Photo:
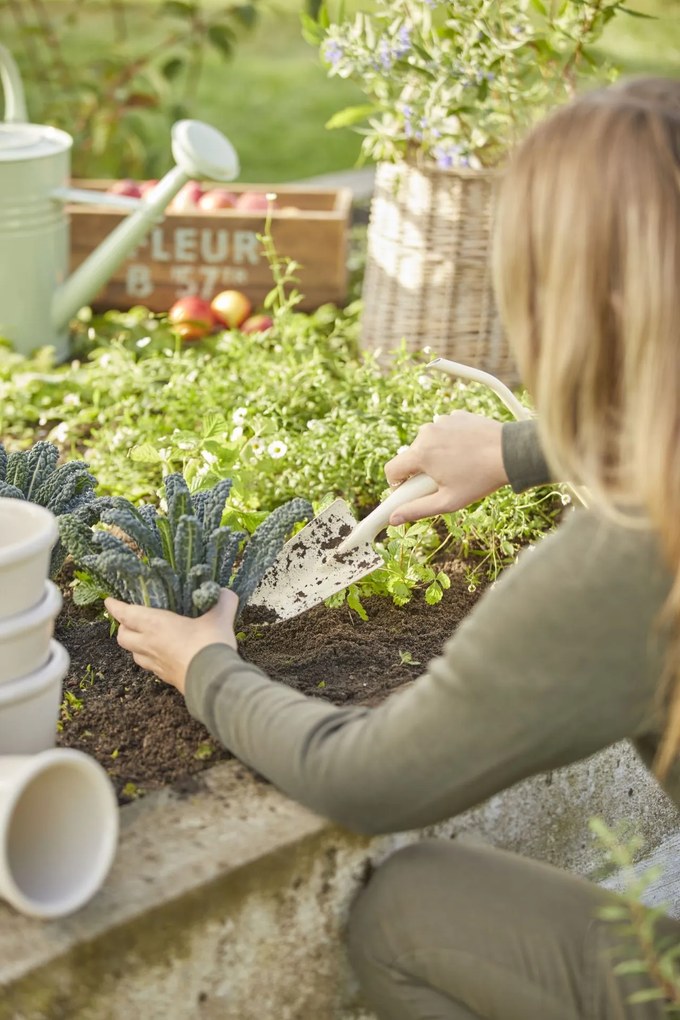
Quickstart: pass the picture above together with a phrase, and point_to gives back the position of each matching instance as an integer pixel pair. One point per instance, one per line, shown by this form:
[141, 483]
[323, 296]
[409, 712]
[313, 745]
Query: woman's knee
[385, 905]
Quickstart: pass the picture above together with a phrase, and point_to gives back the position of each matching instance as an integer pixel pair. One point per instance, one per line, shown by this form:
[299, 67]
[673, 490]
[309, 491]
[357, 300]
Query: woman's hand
[165, 643]
[462, 453]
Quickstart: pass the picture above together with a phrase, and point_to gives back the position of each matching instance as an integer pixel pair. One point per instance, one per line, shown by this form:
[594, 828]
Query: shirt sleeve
[557, 660]
[523, 459]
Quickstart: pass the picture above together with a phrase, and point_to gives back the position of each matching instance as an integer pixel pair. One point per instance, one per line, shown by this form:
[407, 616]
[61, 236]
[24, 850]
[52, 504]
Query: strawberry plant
[179, 560]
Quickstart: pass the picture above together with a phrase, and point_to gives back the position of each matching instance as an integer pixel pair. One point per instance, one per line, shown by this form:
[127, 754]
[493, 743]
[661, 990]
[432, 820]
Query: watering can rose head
[181, 560]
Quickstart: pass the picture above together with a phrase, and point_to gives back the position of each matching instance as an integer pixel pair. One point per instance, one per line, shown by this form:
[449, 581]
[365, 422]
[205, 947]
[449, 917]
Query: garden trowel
[334, 551]
[328, 554]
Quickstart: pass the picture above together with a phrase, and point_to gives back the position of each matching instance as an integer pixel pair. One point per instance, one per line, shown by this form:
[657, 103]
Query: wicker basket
[428, 269]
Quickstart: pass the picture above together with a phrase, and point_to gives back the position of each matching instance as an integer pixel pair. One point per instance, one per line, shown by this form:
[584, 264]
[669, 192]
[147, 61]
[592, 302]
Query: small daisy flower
[277, 449]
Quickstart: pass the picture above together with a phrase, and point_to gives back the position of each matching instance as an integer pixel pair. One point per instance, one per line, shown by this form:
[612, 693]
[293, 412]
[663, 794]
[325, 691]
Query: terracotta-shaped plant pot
[27, 534]
[58, 831]
[29, 706]
[25, 638]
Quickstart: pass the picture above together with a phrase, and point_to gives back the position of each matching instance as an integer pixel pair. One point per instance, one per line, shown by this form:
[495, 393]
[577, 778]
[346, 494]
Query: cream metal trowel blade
[308, 569]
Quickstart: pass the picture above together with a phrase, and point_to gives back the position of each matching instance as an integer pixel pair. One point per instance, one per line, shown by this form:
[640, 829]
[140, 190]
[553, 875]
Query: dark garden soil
[139, 728]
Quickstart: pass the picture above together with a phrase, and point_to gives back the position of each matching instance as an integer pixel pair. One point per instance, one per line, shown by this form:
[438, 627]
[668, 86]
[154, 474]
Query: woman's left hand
[165, 643]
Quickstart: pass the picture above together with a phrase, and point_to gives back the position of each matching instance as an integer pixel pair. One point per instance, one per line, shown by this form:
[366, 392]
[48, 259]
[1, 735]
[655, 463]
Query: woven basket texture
[428, 268]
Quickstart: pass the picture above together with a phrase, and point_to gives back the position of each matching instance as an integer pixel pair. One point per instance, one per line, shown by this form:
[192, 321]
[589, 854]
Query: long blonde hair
[587, 275]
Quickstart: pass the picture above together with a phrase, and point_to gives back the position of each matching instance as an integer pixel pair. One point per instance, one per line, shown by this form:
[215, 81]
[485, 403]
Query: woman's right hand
[462, 453]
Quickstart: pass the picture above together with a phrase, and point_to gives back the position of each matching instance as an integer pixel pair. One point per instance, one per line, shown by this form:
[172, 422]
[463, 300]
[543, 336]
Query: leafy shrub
[180, 560]
[645, 950]
[115, 99]
[33, 475]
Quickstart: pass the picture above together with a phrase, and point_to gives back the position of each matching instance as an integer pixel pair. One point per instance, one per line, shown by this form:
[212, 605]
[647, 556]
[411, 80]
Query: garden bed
[140, 730]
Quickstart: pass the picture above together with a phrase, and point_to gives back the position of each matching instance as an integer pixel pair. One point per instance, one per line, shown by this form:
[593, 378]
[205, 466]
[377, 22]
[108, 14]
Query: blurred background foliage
[117, 73]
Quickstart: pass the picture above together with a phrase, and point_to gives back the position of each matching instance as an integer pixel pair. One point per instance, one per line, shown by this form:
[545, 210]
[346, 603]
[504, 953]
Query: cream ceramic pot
[58, 831]
[27, 534]
[37, 296]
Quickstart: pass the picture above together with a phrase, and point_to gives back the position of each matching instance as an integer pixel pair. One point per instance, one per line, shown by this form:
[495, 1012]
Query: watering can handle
[15, 101]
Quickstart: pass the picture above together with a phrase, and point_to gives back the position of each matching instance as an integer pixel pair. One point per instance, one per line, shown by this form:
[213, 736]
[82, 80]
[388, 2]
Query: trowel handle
[413, 488]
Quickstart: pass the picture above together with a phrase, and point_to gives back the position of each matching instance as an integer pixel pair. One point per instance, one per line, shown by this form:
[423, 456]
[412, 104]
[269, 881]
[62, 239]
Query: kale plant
[33, 475]
[179, 560]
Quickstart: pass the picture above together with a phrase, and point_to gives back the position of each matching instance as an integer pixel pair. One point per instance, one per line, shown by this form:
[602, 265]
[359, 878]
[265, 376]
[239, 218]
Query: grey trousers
[461, 931]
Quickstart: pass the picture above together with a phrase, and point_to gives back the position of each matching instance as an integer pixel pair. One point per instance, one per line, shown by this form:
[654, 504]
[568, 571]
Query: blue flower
[447, 156]
[403, 42]
[385, 54]
[332, 52]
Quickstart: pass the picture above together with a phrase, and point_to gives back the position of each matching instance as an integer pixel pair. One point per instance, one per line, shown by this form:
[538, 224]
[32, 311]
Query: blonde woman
[576, 647]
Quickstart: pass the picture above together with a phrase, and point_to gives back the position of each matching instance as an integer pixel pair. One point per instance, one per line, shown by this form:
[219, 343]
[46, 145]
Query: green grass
[646, 46]
[273, 97]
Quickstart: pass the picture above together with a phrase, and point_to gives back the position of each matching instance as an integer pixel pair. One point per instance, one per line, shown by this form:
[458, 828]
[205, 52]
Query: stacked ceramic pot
[58, 814]
[32, 664]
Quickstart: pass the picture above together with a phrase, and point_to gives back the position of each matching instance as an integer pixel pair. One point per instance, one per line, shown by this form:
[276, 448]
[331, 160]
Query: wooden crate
[202, 253]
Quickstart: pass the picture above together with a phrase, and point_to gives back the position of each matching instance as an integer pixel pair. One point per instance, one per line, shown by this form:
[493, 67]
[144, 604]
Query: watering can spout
[199, 151]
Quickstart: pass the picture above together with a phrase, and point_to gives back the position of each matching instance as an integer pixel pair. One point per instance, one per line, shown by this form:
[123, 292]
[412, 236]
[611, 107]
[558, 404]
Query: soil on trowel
[139, 729]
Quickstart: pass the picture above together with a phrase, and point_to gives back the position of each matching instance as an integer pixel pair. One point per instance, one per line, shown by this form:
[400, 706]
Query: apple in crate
[146, 186]
[255, 201]
[231, 308]
[257, 324]
[187, 197]
[217, 198]
[125, 187]
[192, 318]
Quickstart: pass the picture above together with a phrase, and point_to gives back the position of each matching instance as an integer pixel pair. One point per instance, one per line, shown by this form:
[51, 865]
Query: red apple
[125, 187]
[192, 318]
[217, 198]
[231, 308]
[187, 197]
[146, 186]
[257, 324]
[255, 201]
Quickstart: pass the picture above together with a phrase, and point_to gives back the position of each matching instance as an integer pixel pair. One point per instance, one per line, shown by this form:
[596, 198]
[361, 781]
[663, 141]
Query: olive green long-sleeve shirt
[559, 658]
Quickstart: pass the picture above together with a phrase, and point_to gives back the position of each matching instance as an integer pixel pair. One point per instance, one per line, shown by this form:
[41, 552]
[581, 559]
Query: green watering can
[37, 296]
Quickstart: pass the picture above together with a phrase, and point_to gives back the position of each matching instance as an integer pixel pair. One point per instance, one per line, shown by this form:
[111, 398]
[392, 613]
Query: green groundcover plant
[298, 409]
[179, 560]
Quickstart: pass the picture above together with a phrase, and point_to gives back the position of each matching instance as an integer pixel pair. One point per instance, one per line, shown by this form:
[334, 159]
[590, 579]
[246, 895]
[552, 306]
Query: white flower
[208, 457]
[276, 449]
[144, 342]
[239, 415]
[185, 444]
[426, 381]
[236, 433]
[257, 447]
[375, 399]
[72, 400]
[60, 432]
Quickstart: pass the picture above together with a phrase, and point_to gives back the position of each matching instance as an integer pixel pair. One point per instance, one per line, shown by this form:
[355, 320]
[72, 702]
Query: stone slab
[230, 901]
